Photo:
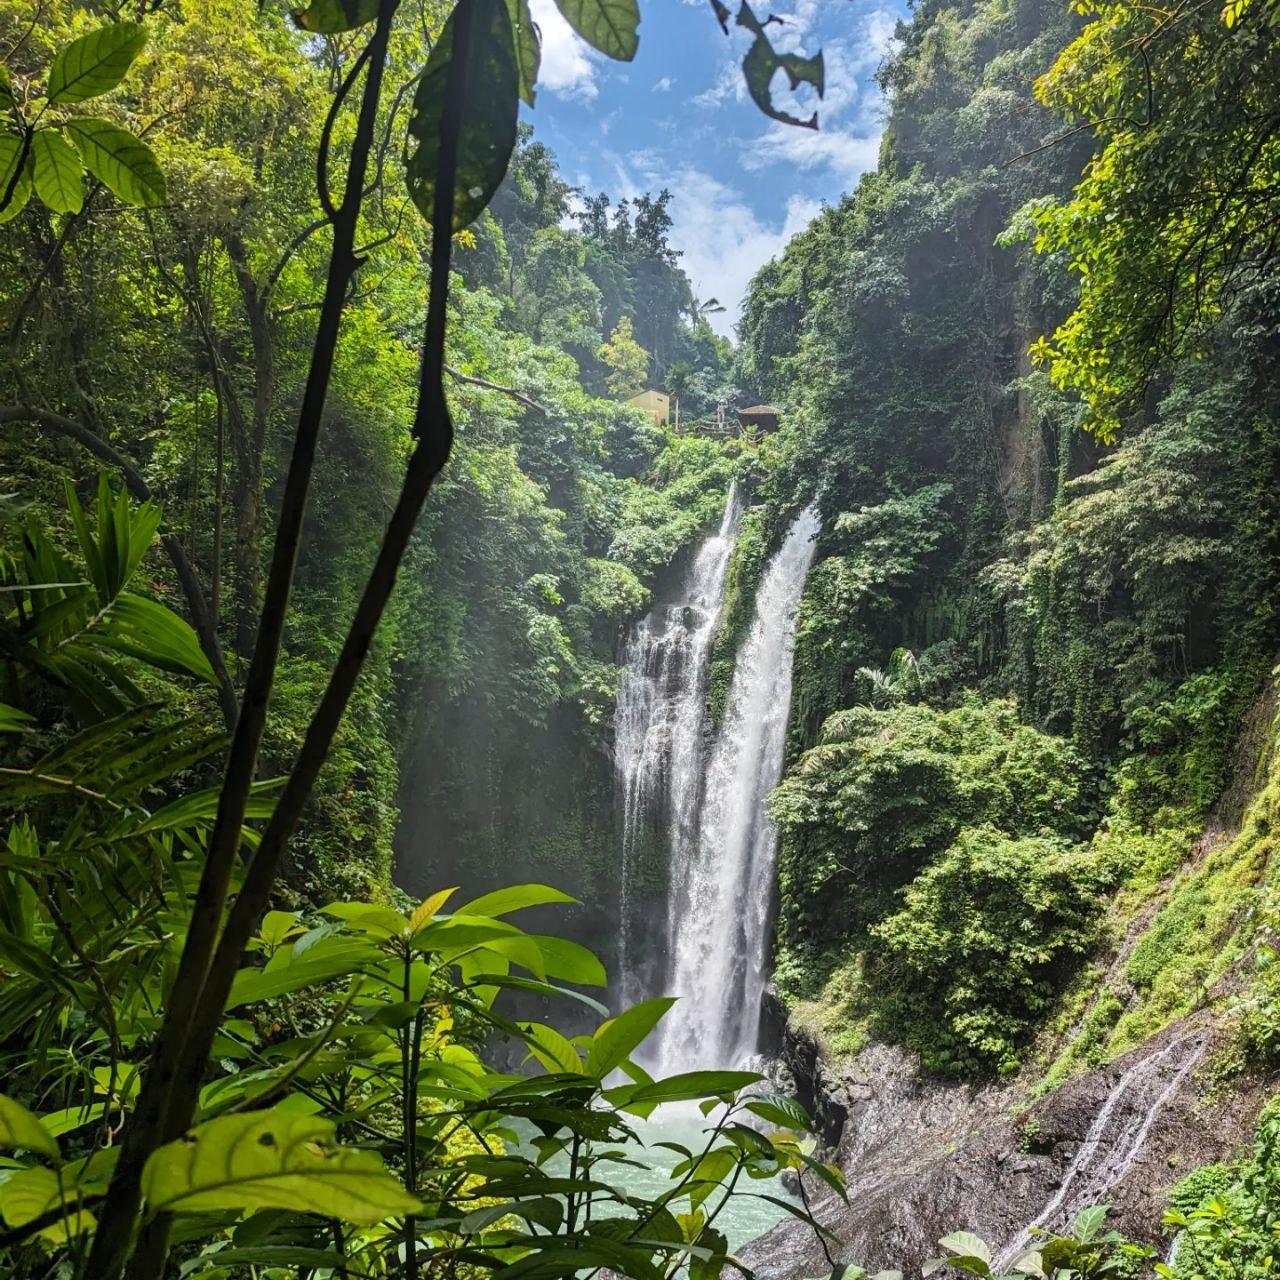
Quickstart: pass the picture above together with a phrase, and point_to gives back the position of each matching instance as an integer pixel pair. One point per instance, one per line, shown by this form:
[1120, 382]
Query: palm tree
[679, 375]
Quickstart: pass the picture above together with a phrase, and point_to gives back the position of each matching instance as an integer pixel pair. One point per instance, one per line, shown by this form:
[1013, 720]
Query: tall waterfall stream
[705, 787]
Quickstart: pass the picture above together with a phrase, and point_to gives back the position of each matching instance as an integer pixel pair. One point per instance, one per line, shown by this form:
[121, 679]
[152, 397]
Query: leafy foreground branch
[371, 1138]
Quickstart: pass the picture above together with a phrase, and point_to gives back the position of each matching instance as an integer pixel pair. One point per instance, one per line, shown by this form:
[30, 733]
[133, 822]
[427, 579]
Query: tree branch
[472, 381]
[166, 1099]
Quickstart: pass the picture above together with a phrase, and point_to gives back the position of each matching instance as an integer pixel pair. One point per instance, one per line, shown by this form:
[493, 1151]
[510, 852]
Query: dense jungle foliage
[1032, 360]
[231, 1047]
[1029, 369]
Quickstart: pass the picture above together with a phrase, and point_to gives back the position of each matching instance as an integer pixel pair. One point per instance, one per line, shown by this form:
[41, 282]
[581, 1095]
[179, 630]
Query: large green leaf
[571, 962]
[13, 720]
[551, 1048]
[490, 104]
[31, 1193]
[332, 958]
[125, 164]
[59, 175]
[778, 1109]
[95, 63]
[272, 1160]
[612, 26]
[22, 1131]
[329, 17]
[688, 1087]
[504, 901]
[147, 630]
[528, 48]
[10, 157]
[614, 1041]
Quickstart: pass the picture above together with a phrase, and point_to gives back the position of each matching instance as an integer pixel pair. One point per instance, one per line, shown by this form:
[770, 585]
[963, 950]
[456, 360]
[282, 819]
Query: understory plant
[210, 1085]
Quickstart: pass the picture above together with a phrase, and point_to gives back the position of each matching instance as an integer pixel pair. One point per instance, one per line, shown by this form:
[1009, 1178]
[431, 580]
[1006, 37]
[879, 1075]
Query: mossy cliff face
[924, 1157]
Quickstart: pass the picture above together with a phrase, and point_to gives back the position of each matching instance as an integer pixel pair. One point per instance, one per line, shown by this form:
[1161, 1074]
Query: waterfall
[1117, 1136]
[722, 879]
[659, 725]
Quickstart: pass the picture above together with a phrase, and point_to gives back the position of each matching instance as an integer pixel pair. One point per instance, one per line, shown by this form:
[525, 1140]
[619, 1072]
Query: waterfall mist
[721, 891]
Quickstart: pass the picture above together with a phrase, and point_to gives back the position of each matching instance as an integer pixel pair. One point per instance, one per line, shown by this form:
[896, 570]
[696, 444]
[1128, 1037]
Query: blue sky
[679, 117]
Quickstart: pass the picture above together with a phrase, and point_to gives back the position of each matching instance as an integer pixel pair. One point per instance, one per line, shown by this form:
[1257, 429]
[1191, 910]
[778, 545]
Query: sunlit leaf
[59, 175]
[612, 26]
[329, 17]
[502, 902]
[20, 1130]
[551, 1048]
[272, 1160]
[123, 163]
[95, 63]
[616, 1039]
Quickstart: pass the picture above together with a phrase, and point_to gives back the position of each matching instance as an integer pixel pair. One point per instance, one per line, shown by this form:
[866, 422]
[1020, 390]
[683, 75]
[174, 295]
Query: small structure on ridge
[657, 404]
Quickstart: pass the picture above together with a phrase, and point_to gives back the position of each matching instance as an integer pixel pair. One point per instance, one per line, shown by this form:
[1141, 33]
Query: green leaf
[10, 157]
[272, 1160]
[1089, 1222]
[966, 1244]
[32, 1193]
[322, 963]
[688, 1087]
[528, 49]
[551, 1048]
[153, 633]
[329, 17]
[22, 1131]
[12, 720]
[614, 1041]
[778, 1109]
[571, 961]
[489, 106]
[95, 63]
[59, 175]
[612, 26]
[125, 164]
[517, 896]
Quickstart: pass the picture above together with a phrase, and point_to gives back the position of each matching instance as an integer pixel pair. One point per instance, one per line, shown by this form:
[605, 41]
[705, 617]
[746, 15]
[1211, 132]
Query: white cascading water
[660, 722]
[722, 880]
[1116, 1138]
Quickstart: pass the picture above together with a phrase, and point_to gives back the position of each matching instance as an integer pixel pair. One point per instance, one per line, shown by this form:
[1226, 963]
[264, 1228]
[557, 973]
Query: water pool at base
[746, 1216]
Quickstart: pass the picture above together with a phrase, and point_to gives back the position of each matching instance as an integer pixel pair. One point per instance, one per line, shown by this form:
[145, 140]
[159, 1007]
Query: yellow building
[657, 404]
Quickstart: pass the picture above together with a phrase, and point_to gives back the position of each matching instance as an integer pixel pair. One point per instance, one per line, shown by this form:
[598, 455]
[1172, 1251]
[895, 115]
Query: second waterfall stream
[703, 788]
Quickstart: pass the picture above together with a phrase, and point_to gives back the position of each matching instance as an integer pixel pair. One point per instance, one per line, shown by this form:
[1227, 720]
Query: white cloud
[848, 142]
[721, 239]
[568, 67]
[664, 85]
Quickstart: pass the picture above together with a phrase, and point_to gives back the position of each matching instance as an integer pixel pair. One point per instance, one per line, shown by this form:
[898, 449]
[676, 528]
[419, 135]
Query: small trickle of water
[1116, 1138]
[722, 881]
[660, 720]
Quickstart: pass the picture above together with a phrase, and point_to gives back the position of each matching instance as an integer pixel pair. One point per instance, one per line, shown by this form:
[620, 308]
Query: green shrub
[883, 794]
[1230, 1218]
[983, 944]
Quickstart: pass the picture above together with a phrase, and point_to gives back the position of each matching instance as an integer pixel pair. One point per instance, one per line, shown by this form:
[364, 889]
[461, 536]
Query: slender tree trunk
[164, 1099]
[249, 501]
